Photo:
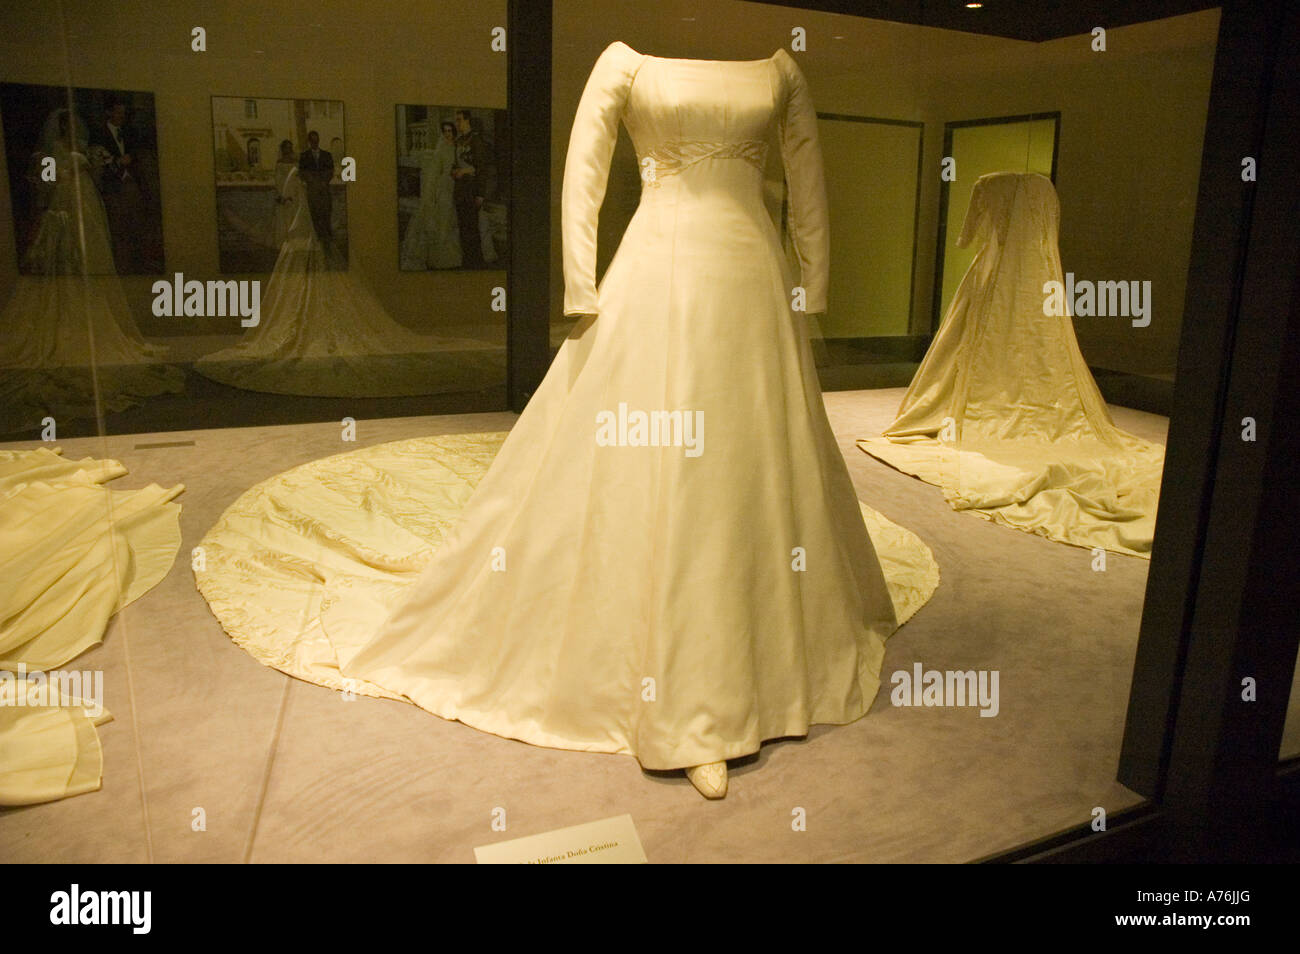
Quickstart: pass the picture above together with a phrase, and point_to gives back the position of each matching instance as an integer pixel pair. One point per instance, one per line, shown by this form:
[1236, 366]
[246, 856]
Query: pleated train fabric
[352, 533]
[72, 554]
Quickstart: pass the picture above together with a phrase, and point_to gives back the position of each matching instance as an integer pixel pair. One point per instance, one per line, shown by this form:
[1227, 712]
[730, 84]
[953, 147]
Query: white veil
[1003, 413]
[52, 142]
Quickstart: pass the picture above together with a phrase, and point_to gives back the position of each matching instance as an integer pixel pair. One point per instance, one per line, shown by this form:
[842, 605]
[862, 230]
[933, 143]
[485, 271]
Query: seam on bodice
[673, 156]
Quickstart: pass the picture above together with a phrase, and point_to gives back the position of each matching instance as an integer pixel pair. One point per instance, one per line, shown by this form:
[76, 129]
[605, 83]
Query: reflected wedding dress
[598, 589]
[322, 333]
[68, 309]
[1003, 413]
[432, 238]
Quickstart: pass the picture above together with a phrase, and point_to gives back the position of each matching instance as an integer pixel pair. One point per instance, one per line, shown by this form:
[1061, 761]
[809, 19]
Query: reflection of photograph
[452, 187]
[92, 161]
[269, 154]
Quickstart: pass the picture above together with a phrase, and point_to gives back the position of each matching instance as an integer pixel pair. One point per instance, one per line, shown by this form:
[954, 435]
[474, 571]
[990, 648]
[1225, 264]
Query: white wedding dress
[1003, 413]
[323, 333]
[676, 603]
[68, 312]
[285, 207]
[432, 239]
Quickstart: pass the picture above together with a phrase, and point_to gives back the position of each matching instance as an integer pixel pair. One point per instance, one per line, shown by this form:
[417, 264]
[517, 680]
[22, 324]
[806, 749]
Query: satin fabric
[353, 532]
[630, 598]
[1003, 413]
[49, 748]
[323, 333]
[72, 554]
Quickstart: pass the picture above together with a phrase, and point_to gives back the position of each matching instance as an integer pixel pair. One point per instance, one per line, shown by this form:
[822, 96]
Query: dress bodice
[681, 111]
[694, 123]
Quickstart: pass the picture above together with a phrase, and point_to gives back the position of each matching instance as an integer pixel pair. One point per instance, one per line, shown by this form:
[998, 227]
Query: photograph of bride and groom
[84, 189]
[81, 341]
[451, 199]
[92, 150]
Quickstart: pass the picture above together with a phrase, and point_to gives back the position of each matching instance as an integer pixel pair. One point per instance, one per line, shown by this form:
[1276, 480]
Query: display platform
[214, 757]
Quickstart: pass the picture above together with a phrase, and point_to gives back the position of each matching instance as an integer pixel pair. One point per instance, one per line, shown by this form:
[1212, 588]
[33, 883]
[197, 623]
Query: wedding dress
[679, 600]
[68, 312]
[285, 207]
[432, 237]
[323, 333]
[268, 228]
[72, 554]
[1003, 413]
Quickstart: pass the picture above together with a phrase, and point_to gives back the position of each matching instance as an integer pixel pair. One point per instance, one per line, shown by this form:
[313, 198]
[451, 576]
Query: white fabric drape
[1003, 413]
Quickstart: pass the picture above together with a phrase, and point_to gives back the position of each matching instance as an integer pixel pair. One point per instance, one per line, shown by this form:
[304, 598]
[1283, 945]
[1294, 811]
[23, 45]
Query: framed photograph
[264, 152]
[453, 195]
[92, 155]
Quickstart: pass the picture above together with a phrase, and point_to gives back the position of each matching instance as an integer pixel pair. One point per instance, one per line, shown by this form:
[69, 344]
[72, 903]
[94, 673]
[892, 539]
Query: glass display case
[480, 421]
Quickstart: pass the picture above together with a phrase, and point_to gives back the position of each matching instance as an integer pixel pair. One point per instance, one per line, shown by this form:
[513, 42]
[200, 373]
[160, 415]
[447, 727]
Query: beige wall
[871, 176]
[370, 55]
[1132, 124]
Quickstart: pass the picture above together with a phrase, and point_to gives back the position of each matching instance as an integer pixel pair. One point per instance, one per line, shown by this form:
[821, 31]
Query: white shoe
[710, 780]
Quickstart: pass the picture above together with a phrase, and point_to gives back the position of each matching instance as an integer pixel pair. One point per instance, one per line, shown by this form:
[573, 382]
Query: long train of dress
[1003, 413]
[69, 346]
[323, 333]
[295, 544]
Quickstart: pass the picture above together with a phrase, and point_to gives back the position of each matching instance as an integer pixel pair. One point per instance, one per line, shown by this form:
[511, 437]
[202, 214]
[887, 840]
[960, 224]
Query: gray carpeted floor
[280, 770]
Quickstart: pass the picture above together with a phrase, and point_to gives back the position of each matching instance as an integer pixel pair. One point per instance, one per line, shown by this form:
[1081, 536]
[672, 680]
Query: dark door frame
[528, 276]
[1221, 592]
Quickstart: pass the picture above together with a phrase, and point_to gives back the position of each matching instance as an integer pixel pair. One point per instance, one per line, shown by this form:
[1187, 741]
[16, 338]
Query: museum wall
[1132, 123]
[371, 56]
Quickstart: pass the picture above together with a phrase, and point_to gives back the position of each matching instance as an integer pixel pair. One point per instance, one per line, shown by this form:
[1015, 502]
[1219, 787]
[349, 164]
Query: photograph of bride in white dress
[70, 346]
[323, 332]
[256, 142]
[452, 190]
[117, 133]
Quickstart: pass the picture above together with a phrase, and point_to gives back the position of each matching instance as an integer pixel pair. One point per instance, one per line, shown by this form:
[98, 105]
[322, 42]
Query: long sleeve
[586, 171]
[802, 155]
